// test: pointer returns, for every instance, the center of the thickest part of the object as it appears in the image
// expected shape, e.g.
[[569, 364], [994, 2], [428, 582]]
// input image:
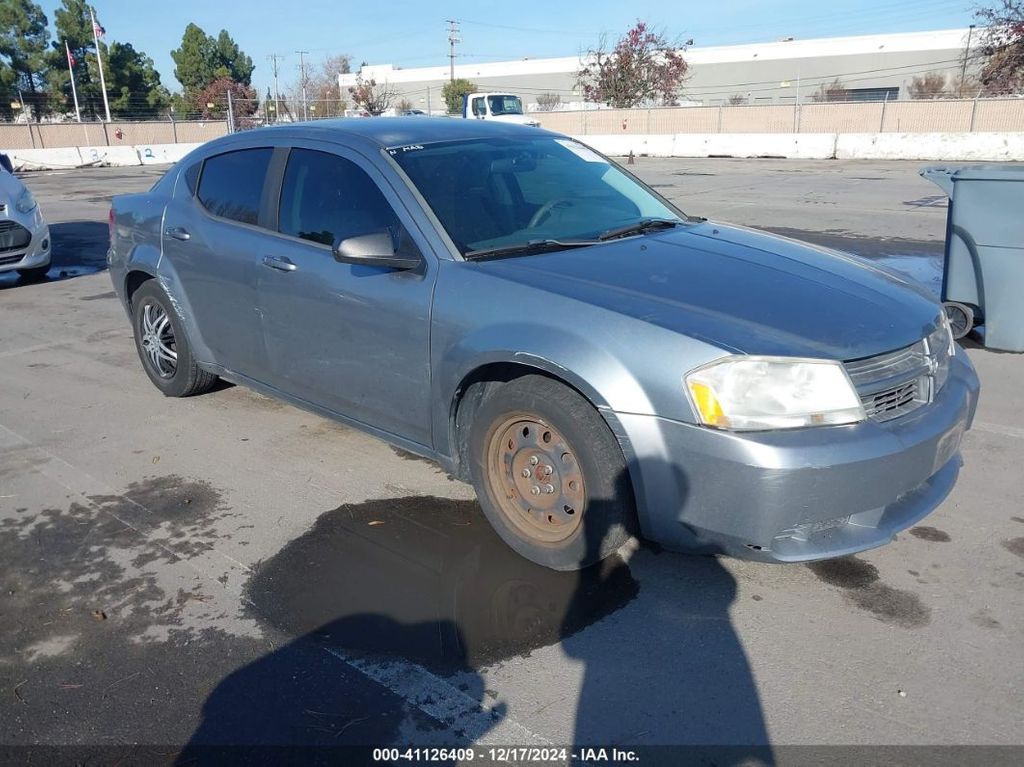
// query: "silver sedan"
[[516, 306]]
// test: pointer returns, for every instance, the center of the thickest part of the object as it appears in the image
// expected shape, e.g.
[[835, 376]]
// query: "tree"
[[201, 60], [834, 91], [403, 105], [24, 38], [1002, 47], [133, 83], [322, 88], [212, 101], [373, 97], [454, 90], [737, 99], [930, 85], [642, 68], [548, 101]]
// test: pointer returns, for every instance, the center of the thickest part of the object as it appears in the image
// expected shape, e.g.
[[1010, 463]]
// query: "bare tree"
[[403, 105], [834, 91], [1002, 47], [322, 89], [548, 101], [737, 99], [930, 85], [376, 98], [643, 67]]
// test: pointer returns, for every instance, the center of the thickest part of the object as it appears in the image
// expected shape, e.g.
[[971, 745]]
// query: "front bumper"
[[34, 255], [804, 494]]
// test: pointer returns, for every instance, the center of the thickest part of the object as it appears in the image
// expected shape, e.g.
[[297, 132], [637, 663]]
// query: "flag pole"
[[74, 90], [99, 61]]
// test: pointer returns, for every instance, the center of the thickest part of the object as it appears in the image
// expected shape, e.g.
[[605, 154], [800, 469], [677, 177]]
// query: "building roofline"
[[902, 42]]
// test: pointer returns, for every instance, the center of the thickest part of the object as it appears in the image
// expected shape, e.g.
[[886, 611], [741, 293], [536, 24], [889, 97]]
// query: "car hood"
[[739, 289]]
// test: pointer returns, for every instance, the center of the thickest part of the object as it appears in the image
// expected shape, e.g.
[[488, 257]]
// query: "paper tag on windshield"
[[579, 150]]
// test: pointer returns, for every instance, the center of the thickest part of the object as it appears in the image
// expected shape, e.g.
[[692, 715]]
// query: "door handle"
[[281, 263], [178, 233]]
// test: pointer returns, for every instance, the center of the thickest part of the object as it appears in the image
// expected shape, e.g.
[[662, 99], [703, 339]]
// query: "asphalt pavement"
[[178, 573]]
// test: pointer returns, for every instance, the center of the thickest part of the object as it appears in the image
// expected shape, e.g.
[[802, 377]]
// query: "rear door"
[[350, 338], [213, 238]]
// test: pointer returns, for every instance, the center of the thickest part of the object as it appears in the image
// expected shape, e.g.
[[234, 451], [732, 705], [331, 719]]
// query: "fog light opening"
[[46, 244]]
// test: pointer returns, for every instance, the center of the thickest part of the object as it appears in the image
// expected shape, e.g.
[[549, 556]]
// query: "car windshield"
[[502, 192], [505, 105]]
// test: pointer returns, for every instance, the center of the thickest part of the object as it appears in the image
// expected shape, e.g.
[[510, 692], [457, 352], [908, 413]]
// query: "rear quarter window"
[[231, 184]]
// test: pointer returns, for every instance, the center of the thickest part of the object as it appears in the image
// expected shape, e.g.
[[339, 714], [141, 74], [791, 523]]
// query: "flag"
[[71, 56], [97, 29]]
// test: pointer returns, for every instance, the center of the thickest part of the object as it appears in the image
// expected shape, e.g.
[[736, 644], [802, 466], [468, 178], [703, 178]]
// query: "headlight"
[[941, 348], [751, 393], [26, 202]]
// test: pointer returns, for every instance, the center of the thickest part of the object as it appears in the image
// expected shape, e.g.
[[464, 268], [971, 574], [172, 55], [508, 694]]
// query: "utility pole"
[[453, 37], [302, 69], [967, 54], [274, 58]]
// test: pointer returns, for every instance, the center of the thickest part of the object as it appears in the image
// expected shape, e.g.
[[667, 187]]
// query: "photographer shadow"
[[395, 586]]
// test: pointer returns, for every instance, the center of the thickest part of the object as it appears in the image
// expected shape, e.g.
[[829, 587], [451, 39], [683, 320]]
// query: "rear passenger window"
[[231, 184], [325, 198]]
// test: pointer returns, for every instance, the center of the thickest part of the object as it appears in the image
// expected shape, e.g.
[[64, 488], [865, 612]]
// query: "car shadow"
[[78, 248], [422, 588]]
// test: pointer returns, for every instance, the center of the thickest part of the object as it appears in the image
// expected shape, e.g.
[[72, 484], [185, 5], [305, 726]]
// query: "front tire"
[[163, 347], [549, 474]]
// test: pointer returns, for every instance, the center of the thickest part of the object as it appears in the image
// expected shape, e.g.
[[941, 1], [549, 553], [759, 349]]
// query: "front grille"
[[894, 402], [895, 383], [8, 260], [13, 236]]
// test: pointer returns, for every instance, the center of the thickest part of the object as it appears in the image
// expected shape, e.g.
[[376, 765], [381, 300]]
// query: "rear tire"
[[163, 347], [550, 475]]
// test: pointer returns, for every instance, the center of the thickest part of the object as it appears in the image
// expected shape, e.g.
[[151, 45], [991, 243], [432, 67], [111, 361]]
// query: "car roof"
[[402, 131]]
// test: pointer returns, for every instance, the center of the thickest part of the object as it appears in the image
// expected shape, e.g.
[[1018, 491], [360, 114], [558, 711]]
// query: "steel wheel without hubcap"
[[535, 479], [158, 343]]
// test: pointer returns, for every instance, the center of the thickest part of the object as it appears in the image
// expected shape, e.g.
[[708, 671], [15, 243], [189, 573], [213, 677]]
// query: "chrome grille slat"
[[894, 383]]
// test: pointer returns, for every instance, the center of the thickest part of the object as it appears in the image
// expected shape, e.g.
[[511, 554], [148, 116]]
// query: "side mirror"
[[376, 249]]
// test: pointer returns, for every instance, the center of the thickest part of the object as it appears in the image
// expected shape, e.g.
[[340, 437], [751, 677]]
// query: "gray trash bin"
[[983, 275]]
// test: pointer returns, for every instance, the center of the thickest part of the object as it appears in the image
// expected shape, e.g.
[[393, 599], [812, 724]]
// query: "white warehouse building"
[[870, 67]]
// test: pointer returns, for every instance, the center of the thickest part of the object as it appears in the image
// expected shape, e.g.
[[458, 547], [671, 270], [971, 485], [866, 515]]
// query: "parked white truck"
[[502, 107]]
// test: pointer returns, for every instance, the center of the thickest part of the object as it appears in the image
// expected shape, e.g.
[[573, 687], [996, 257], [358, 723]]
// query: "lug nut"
[[548, 470], [526, 473], [534, 460], [548, 489], [535, 490]]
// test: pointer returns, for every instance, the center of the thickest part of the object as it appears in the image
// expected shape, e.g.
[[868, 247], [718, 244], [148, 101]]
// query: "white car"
[[24, 234]]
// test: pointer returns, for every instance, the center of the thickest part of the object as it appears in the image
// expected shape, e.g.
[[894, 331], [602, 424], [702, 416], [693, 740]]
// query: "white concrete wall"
[[955, 147], [84, 156]]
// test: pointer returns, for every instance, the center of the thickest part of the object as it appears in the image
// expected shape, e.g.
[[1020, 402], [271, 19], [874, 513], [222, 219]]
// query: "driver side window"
[[478, 107], [325, 198]]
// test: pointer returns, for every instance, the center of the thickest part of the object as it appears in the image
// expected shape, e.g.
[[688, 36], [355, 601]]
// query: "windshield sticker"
[[402, 149], [581, 151]]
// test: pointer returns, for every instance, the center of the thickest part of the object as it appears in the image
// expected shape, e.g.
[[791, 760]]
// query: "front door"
[[349, 338]]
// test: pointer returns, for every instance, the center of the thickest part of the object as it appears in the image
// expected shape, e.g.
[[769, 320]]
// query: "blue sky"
[[413, 34]]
